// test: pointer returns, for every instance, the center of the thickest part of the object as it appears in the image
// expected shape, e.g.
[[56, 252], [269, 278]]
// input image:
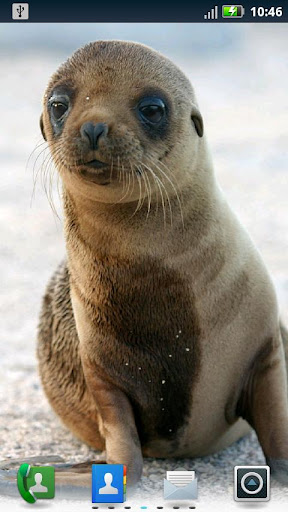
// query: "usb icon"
[[20, 11]]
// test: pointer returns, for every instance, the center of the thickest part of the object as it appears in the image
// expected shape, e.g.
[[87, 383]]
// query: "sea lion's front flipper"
[[116, 423], [264, 405]]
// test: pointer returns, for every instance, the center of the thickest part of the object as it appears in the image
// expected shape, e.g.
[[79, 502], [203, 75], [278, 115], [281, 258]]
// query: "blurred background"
[[240, 76]]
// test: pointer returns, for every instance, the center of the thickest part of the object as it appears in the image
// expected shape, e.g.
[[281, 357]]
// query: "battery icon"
[[233, 11]]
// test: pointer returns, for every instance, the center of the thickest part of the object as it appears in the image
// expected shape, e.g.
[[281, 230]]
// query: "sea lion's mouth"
[[95, 164], [95, 171], [101, 178]]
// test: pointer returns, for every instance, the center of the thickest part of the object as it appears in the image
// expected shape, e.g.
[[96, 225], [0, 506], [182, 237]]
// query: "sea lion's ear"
[[42, 127], [197, 120]]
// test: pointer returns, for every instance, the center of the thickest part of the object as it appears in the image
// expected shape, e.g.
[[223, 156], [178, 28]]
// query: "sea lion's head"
[[121, 121]]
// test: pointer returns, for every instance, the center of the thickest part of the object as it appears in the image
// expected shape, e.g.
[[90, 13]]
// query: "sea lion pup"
[[160, 334]]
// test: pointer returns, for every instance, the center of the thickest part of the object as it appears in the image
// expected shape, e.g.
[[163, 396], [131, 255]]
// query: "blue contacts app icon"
[[108, 483]]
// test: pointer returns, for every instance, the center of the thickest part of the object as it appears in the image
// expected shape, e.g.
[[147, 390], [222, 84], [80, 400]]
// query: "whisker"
[[124, 177], [140, 196], [173, 186], [119, 170], [160, 185], [111, 169], [142, 175], [148, 190], [127, 185], [133, 178], [46, 171]]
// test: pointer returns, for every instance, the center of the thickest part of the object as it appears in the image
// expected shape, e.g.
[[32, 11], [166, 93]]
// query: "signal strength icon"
[[212, 14]]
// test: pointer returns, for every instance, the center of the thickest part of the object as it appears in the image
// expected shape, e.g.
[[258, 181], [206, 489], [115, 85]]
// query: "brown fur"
[[160, 331]]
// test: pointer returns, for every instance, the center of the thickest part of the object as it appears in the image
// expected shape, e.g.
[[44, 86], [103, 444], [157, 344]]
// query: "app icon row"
[[109, 481]]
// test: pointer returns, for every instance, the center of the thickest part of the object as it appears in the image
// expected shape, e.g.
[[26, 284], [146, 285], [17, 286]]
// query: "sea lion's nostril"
[[92, 132]]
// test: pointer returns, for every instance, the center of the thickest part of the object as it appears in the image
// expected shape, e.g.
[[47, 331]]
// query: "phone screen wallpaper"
[[240, 77]]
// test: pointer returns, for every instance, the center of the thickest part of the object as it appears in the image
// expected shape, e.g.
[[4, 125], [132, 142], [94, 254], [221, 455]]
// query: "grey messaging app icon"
[[252, 483]]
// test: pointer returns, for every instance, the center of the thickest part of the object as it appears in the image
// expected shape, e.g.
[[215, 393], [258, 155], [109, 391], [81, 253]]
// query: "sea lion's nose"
[[92, 132]]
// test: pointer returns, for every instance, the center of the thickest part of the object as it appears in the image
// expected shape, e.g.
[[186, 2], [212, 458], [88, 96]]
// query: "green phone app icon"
[[36, 482]]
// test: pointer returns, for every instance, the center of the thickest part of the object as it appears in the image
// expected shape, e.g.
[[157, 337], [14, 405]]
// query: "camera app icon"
[[252, 483]]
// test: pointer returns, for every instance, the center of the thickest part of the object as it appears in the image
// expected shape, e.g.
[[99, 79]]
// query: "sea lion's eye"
[[58, 109], [152, 110]]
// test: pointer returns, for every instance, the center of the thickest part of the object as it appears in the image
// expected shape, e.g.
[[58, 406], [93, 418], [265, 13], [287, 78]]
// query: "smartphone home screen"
[[144, 249]]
